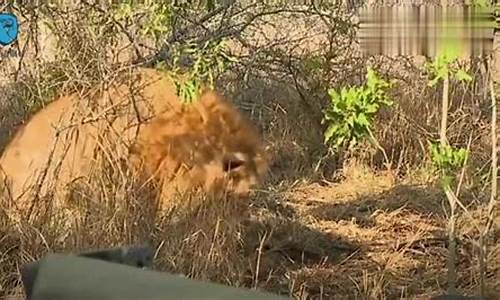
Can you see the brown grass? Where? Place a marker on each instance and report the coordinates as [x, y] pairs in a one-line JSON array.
[[371, 235]]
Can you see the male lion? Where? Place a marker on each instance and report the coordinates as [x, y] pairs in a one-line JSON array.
[[207, 144]]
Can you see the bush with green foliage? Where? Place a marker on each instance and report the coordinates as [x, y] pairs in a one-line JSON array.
[[205, 63], [352, 110]]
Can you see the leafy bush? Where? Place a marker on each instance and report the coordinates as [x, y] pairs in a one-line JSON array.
[[205, 64], [352, 110], [448, 159]]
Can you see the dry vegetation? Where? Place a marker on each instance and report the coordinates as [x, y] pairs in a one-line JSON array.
[[323, 226]]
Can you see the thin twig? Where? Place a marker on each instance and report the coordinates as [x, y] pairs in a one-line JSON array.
[[452, 274], [493, 195]]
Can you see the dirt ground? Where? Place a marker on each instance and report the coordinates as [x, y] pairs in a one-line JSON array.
[[376, 237]]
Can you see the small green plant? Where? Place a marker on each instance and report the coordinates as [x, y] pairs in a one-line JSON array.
[[444, 157], [206, 62], [447, 160], [352, 110], [441, 68]]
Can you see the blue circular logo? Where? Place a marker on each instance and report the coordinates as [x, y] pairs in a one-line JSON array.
[[9, 28]]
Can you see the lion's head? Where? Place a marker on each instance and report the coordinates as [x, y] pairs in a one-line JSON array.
[[207, 145]]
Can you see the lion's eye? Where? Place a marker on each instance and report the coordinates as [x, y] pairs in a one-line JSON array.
[[232, 164]]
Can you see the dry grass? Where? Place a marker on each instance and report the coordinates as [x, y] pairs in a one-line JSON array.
[[371, 235], [399, 227]]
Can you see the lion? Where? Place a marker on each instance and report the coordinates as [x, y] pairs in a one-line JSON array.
[[207, 145]]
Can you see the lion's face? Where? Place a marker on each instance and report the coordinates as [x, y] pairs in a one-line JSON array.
[[233, 173], [244, 171], [207, 145]]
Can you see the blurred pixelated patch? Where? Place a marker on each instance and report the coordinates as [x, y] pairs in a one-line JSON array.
[[427, 30]]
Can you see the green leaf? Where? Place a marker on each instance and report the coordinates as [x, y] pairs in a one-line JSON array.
[[446, 181], [333, 95], [371, 109], [434, 81], [330, 132], [350, 121], [461, 75], [362, 120]]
